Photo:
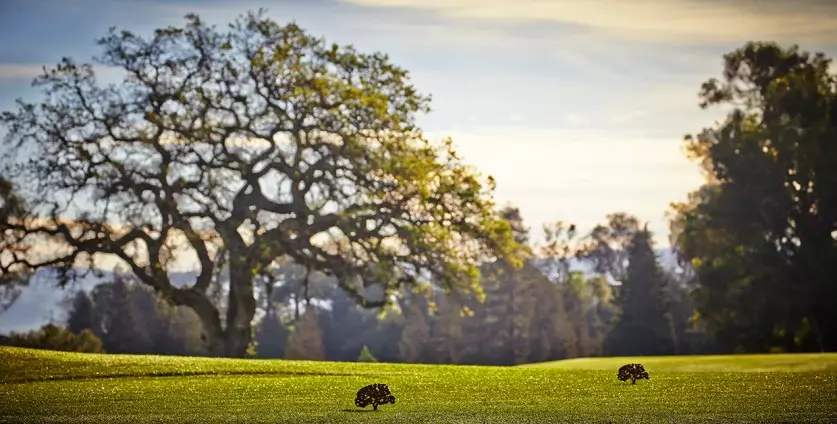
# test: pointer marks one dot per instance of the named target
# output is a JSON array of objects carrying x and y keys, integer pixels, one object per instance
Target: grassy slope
[{"x": 40, "y": 386}]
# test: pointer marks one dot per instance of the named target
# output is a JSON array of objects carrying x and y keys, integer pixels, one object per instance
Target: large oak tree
[{"x": 257, "y": 142}]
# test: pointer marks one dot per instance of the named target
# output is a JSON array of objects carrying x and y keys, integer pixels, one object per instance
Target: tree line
[{"x": 541, "y": 311}]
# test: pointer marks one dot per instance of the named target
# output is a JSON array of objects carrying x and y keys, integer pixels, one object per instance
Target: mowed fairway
[{"x": 42, "y": 386}]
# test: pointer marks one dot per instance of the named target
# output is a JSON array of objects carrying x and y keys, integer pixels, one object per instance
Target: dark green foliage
[
  {"x": 644, "y": 324},
  {"x": 52, "y": 337},
  {"x": 375, "y": 395},
  {"x": 760, "y": 234},
  {"x": 81, "y": 316},
  {"x": 632, "y": 372}
]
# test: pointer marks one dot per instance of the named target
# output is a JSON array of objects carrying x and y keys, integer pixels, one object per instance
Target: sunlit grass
[{"x": 40, "y": 386}]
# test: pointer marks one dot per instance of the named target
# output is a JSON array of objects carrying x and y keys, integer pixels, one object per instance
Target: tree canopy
[
  {"x": 761, "y": 234},
  {"x": 254, "y": 143}
]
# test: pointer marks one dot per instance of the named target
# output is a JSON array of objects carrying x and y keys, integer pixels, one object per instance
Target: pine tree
[
  {"x": 306, "y": 340},
  {"x": 644, "y": 325},
  {"x": 366, "y": 355},
  {"x": 81, "y": 315}
]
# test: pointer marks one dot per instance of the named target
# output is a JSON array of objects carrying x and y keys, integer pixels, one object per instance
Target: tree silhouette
[
  {"x": 761, "y": 233},
  {"x": 644, "y": 324},
  {"x": 81, "y": 314},
  {"x": 632, "y": 372},
  {"x": 366, "y": 355},
  {"x": 260, "y": 142},
  {"x": 374, "y": 394}
]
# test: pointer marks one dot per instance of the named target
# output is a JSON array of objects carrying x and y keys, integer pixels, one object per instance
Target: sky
[{"x": 577, "y": 108}]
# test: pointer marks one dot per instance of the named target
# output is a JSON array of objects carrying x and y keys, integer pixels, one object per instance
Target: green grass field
[{"x": 42, "y": 387}]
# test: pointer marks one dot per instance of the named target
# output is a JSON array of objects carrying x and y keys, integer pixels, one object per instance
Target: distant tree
[
  {"x": 447, "y": 344},
  {"x": 761, "y": 234},
  {"x": 81, "y": 315},
  {"x": 515, "y": 219},
  {"x": 644, "y": 324},
  {"x": 305, "y": 341},
  {"x": 366, "y": 355},
  {"x": 585, "y": 303},
  {"x": 255, "y": 142},
  {"x": 271, "y": 336},
  {"x": 501, "y": 330},
  {"x": 414, "y": 337},
  {"x": 171, "y": 330},
  {"x": 553, "y": 334},
  {"x": 570, "y": 294},
  {"x": 52, "y": 337},
  {"x": 88, "y": 342},
  {"x": 606, "y": 246},
  {"x": 124, "y": 332}
]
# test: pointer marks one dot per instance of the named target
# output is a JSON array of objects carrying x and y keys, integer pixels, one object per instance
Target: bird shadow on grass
[{"x": 359, "y": 410}]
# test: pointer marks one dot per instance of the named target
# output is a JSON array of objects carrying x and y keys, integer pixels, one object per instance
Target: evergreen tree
[
  {"x": 81, "y": 315},
  {"x": 644, "y": 325},
  {"x": 305, "y": 342},
  {"x": 366, "y": 355}
]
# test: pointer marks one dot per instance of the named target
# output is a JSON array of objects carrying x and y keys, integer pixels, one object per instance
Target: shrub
[
  {"x": 52, "y": 337},
  {"x": 633, "y": 372},
  {"x": 374, "y": 394},
  {"x": 366, "y": 355}
]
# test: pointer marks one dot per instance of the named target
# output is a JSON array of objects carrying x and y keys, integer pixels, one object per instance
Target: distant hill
[{"x": 41, "y": 301}]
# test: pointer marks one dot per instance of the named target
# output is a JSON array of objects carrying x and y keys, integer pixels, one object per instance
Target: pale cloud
[
  {"x": 573, "y": 118},
  {"x": 14, "y": 71},
  {"x": 698, "y": 21},
  {"x": 630, "y": 116},
  {"x": 580, "y": 175}
]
